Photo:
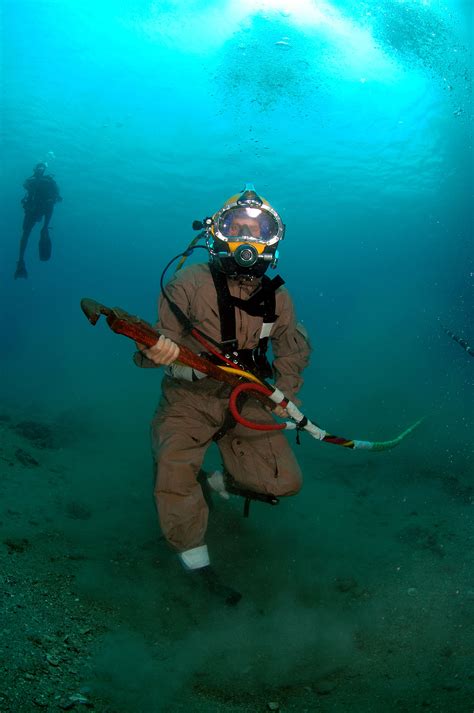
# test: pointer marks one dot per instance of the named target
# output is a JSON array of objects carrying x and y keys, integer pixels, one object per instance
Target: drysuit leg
[
  {"x": 45, "y": 245},
  {"x": 260, "y": 461},
  {"x": 182, "y": 430},
  {"x": 28, "y": 223}
]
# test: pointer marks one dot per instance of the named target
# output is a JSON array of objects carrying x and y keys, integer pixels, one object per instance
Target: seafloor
[{"x": 358, "y": 594}]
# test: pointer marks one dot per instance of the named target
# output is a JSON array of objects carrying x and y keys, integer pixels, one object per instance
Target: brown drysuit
[{"x": 191, "y": 413}]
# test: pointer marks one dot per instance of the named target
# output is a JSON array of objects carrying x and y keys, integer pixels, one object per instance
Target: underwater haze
[{"x": 354, "y": 119}]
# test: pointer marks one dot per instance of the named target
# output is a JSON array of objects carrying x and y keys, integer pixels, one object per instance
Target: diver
[
  {"x": 462, "y": 342},
  {"x": 42, "y": 193},
  {"x": 239, "y": 311}
]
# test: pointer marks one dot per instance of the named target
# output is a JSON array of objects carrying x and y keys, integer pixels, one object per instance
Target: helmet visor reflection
[{"x": 252, "y": 223}]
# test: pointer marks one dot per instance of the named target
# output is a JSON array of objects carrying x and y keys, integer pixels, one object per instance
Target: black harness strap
[
  {"x": 226, "y": 310},
  {"x": 229, "y": 421},
  {"x": 261, "y": 304},
  {"x": 248, "y": 495}
]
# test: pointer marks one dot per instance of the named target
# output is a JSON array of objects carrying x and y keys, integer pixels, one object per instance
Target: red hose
[{"x": 246, "y": 386}]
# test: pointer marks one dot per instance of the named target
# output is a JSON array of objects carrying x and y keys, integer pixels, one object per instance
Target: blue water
[{"x": 354, "y": 119}]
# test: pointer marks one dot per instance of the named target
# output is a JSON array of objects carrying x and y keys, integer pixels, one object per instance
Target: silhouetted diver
[{"x": 460, "y": 340}]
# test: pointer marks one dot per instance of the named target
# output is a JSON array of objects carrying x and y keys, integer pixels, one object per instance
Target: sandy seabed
[{"x": 358, "y": 594}]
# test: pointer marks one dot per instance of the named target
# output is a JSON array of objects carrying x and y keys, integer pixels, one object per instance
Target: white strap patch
[{"x": 266, "y": 329}]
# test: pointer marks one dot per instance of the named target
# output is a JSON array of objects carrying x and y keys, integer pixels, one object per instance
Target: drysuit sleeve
[
  {"x": 291, "y": 349},
  {"x": 180, "y": 290}
]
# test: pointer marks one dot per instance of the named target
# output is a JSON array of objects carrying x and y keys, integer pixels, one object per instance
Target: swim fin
[
  {"x": 20, "y": 270},
  {"x": 44, "y": 245}
]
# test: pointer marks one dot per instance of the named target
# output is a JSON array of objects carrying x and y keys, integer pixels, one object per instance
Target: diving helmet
[
  {"x": 243, "y": 236},
  {"x": 40, "y": 168}
]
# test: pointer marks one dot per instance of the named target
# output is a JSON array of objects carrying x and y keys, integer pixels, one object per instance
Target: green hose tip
[{"x": 387, "y": 445}]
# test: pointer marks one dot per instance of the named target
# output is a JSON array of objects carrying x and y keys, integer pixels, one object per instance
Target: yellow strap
[{"x": 240, "y": 372}]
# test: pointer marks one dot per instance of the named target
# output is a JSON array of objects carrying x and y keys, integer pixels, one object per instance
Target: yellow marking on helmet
[
  {"x": 259, "y": 247},
  {"x": 232, "y": 202}
]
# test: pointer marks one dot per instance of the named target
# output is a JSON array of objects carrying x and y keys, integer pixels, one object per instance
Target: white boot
[
  {"x": 195, "y": 558},
  {"x": 217, "y": 483}
]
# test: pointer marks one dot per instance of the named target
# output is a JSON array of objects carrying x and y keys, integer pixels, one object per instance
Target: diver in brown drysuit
[{"x": 242, "y": 240}]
